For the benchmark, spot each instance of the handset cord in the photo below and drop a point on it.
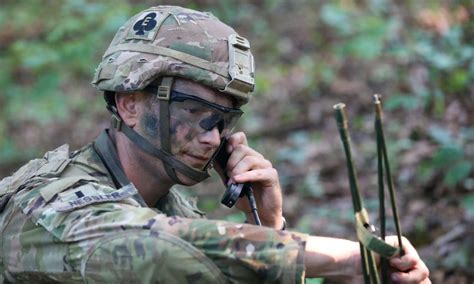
(253, 205)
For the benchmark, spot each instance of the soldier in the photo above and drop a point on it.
(174, 80)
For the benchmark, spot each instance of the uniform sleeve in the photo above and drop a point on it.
(110, 236)
(243, 253)
(145, 256)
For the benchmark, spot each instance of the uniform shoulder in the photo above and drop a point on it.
(52, 161)
(56, 172)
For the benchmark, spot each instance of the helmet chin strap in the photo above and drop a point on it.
(171, 163)
(163, 94)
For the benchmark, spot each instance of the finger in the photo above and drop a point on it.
(250, 163)
(410, 257)
(407, 246)
(261, 175)
(404, 263)
(412, 276)
(238, 138)
(239, 153)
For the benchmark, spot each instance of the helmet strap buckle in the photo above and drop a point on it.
(163, 93)
(116, 122)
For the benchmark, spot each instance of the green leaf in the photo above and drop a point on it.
(366, 47)
(407, 102)
(35, 55)
(468, 204)
(304, 223)
(447, 156)
(337, 18)
(458, 80)
(312, 186)
(425, 171)
(10, 152)
(458, 258)
(457, 173)
(467, 133)
(442, 60)
(441, 135)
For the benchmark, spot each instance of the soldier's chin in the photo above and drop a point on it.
(186, 180)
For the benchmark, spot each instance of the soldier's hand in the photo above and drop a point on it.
(409, 268)
(247, 165)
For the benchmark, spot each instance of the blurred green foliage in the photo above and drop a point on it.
(45, 47)
(452, 157)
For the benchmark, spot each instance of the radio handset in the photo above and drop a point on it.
(234, 191)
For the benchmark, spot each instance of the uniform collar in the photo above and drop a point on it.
(105, 148)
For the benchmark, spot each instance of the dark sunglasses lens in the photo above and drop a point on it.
(212, 121)
(224, 122)
(201, 115)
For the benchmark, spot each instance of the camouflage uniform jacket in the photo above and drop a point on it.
(68, 218)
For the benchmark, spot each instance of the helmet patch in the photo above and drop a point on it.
(145, 28)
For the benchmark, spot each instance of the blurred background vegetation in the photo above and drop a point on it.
(309, 55)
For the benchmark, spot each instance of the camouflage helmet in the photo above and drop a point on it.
(177, 42)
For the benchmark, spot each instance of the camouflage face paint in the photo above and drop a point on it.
(181, 134)
(150, 122)
(190, 135)
(151, 125)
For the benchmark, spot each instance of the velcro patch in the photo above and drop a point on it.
(146, 26)
(59, 185)
(89, 194)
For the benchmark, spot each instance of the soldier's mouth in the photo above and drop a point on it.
(196, 160)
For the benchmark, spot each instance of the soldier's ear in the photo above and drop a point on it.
(128, 106)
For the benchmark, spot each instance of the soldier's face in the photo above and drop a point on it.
(190, 144)
(196, 127)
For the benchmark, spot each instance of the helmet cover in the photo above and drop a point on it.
(177, 42)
